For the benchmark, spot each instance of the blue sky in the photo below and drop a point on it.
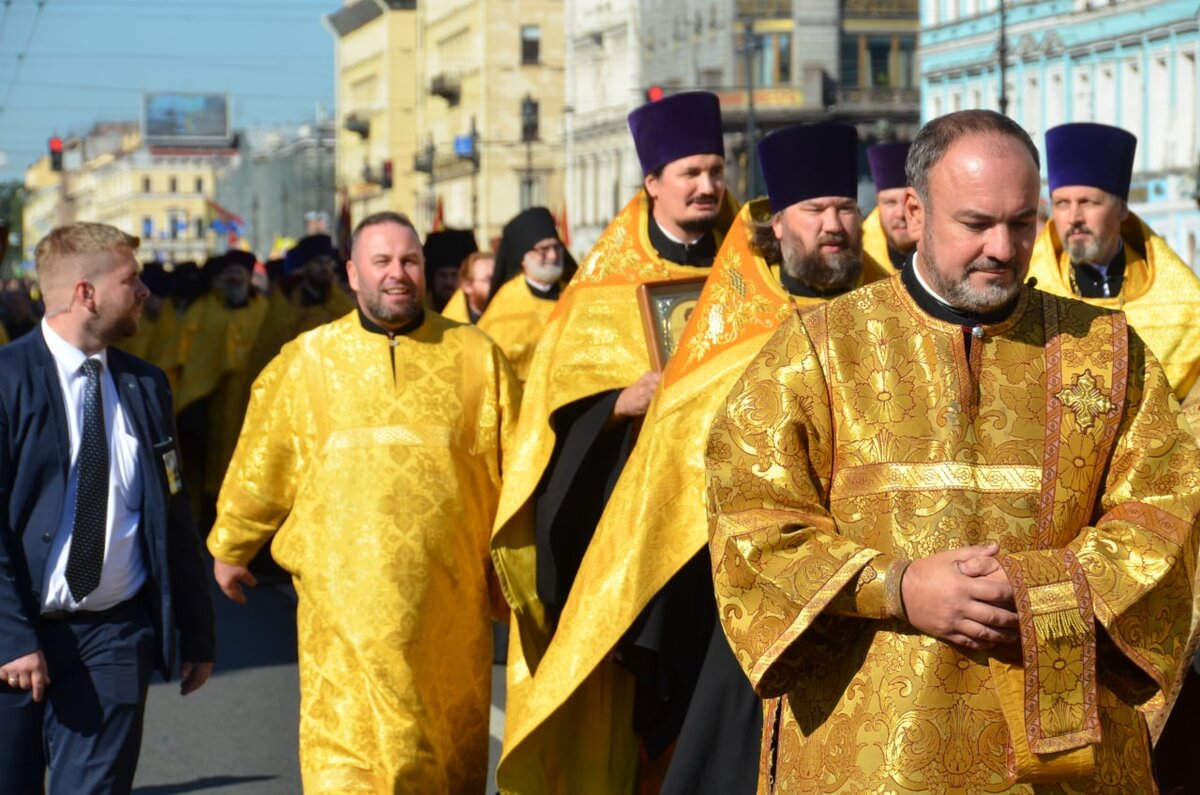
(65, 64)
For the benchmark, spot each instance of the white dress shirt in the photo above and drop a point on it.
(124, 571)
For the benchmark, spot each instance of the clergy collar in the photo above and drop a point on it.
(934, 305)
(1099, 281)
(545, 293)
(798, 288)
(375, 328)
(700, 254)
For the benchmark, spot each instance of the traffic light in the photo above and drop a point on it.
(386, 181)
(655, 93)
(56, 152)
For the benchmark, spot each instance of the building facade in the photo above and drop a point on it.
(1128, 63)
(160, 194)
(280, 179)
(450, 111)
(375, 59)
(773, 63)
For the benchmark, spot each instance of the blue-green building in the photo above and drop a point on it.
(1130, 63)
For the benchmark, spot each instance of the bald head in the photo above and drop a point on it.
(77, 252)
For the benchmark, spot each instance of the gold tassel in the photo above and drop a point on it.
(1060, 625)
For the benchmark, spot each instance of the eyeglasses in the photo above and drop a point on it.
(544, 250)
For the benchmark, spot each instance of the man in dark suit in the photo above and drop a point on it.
(100, 563)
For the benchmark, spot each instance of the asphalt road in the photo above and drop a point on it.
(237, 734)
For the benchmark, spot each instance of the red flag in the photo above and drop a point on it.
(564, 227)
(439, 219)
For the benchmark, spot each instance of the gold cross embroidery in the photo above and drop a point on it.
(1085, 399)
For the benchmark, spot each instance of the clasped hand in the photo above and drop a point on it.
(962, 596)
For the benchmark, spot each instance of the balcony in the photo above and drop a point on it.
(447, 87)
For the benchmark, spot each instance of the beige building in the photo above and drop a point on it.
(464, 97)
(160, 194)
(375, 59)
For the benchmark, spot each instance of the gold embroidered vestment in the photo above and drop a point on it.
(863, 434)
(379, 484)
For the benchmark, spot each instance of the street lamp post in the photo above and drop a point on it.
(749, 45)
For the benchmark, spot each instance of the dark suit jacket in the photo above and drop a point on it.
(34, 460)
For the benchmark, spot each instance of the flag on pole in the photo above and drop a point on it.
(439, 217)
(221, 220)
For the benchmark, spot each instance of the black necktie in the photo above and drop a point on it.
(91, 494)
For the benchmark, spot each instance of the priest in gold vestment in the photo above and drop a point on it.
(952, 517)
(531, 269)
(885, 232)
(589, 384)
(1096, 249)
(217, 335)
(372, 455)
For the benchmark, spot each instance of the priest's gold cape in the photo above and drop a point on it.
(381, 483)
(593, 343)
(863, 435)
(1160, 296)
(875, 244)
(515, 319)
(456, 308)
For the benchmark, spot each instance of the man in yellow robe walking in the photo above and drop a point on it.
(531, 270)
(1097, 250)
(372, 453)
(589, 385)
(952, 517)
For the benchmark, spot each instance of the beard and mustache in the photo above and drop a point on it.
(823, 272)
(958, 290)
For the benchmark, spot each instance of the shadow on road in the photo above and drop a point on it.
(207, 782)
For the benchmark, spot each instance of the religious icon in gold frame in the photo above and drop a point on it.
(666, 307)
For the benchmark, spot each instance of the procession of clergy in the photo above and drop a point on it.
(911, 507)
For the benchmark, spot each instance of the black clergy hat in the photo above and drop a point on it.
(522, 233)
(809, 161)
(1093, 155)
(308, 249)
(887, 164)
(676, 127)
(157, 279)
(447, 249)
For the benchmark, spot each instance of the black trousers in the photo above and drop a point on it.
(88, 727)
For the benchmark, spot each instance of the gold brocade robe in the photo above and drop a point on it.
(1160, 296)
(456, 308)
(380, 486)
(875, 244)
(863, 435)
(515, 319)
(214, 352)
(593, 343)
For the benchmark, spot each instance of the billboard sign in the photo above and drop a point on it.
(183, 119)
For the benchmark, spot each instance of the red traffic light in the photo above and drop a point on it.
(655, 93)
(56, 145)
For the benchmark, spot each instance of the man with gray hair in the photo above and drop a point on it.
(953, 518)
(99, 559)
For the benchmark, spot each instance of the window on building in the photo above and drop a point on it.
(199, 184)
(145, 184)
(879, 56)
(172, 185)
(1056, 102)
(772, 59)
(1185, 94)
(199, 226)
(147, 227)
(531, 44)
(849, 59)
(1158, 151)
